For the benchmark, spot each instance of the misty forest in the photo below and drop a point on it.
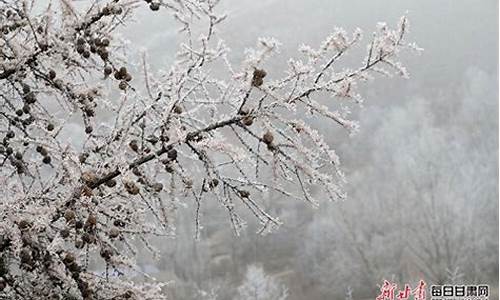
(246, 150)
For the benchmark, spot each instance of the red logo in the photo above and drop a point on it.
(388, 291)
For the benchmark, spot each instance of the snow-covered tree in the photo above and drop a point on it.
(257, 285)
(98, 151)
(423, 203)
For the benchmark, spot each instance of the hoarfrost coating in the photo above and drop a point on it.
(148, 140)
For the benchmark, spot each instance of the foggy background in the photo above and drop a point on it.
(422, 191)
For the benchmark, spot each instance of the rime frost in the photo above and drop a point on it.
(98, 151)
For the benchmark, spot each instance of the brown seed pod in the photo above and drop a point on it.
(244, 194)
(30, 98)
(268, 138)
(65, 232)
(46, 160)
(172, 154)
(258, 76)
(158, 187)
(69, 215)
(105, 42)
(123, 72)
(136, 171)
(79, 224)
(88, 238)
(122, 85)
(134, 145)
(169, 168)
(110, 183)
(177, 109)
(105, 253)
(91, 220)
(18, 155)
(24, 225)
(83, 157)
(213, 183)
(154, 6)
(25, 256)
(131, 187)
(79, 245)
(80, 49)
(50, 127)
(89, 129)
(108, 70)
(257, 82)
(26, 88)
(52, 74)
(69, 258)
(114, 232)
(104, 54)
(89, 177)
(259, 73)
(106, 11)
(247, 121)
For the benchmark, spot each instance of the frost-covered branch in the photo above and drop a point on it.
(93, 157)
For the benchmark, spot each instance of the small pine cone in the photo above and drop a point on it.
(25, 256)
(89, 177)
(52, 74)
(110, 183)
(24, 225)
(154, 6)
(133, 145)
(88, 238)
(131, 187)
(114, 232)
(247, 121)
(92, 220)
(69, 215)
(158, 187)
(79, 224)
(244, 194)
(122, 85)
(65, 232)
(172, 154)
(89, 129)
(177, 109)
(69, 259)
(258, 76)
(268, 138)
(106, 253)
(213, 183)
(108, 70)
